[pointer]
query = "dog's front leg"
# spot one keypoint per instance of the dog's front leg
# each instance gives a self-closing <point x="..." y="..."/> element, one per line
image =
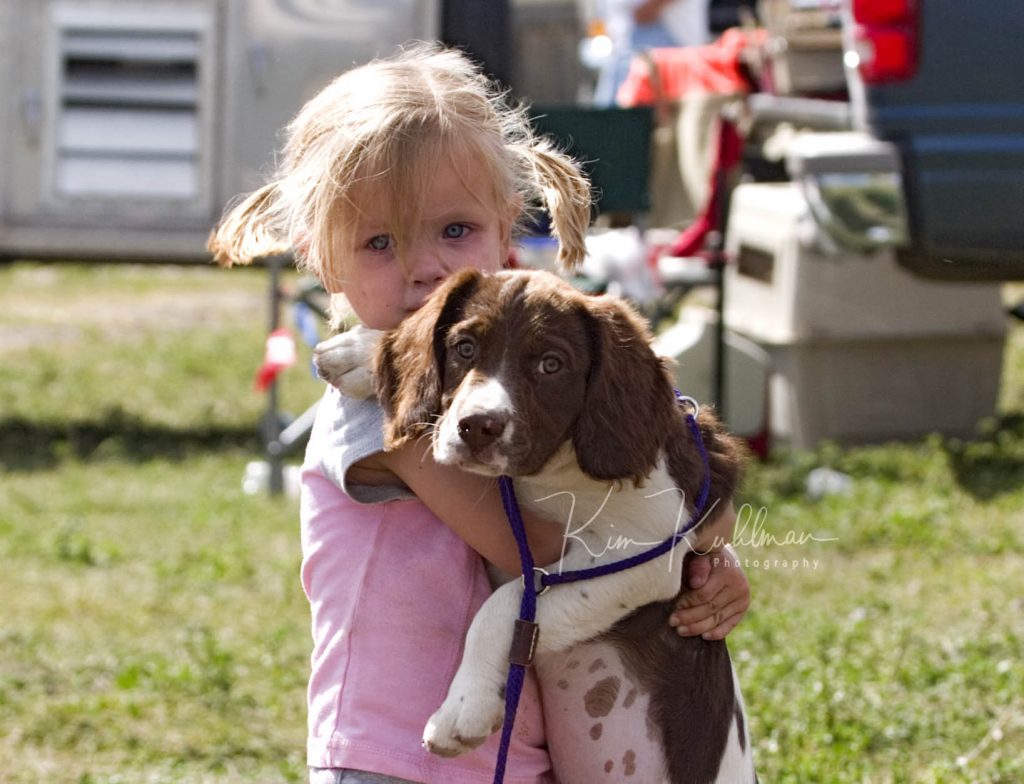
<point x="345" y="361"/>
<point x="475" y="704"/>
<point x="567" y="615"/>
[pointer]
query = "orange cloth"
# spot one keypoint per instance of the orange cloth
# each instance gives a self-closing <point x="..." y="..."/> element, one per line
<point x="689" y="70"/>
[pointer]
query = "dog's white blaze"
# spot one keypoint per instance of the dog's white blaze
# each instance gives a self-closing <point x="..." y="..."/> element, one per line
<point x="489" y="398"/>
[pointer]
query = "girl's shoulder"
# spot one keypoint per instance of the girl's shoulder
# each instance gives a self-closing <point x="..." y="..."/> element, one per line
<point x="347" y="432"/>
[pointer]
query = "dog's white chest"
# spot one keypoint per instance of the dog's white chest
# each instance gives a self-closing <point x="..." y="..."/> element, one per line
<point x="604" y="522"/>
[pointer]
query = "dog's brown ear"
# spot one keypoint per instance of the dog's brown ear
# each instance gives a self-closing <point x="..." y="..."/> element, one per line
<point x="630" y="403"/>
<point x="410" y="361"/>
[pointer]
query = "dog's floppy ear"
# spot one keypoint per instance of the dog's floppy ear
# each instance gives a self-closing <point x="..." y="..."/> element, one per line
<point x="410" y="361"/>
<point x="629" y="404"/>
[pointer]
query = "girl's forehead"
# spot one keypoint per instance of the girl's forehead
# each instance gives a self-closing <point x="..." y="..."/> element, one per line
<point x="432" y="187"/>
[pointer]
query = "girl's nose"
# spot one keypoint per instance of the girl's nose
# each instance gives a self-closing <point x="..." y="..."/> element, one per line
<point x="428" y="267"/>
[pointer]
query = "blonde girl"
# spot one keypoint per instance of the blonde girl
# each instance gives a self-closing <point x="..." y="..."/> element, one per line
<point x="396" y="175"/>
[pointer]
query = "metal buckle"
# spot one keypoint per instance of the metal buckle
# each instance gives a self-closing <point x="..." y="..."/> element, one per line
<point x="538" y="575"/>
<point x="688" y="401"/>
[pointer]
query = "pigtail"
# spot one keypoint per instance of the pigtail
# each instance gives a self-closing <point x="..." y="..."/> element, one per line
<point x="566" y="194"/>
<point x="246" y="231"/>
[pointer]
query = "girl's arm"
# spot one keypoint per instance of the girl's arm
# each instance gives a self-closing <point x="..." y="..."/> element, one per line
<point x="470" y="505"/>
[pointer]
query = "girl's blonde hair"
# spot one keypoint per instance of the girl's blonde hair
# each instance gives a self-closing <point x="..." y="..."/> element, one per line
<point x="387" y="124"/>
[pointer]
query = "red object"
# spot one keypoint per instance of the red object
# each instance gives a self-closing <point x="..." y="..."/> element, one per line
<point x="691" y="240"/>
<point x="883" y="12"/>
<point x="278" y="354"/>
<point x="689" y="70"/>
<point x="886" y="39"/>
<point x="760" y="443"/>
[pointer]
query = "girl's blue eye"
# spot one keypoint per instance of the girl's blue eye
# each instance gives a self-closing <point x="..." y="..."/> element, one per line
<point x="454" y="231"/>
<point x="380" y="242"/>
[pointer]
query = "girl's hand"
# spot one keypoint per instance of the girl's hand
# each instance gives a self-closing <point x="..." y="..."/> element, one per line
<point x="717" y="599"/>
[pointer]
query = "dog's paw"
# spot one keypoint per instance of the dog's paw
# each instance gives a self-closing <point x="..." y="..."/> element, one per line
<point x="464" y="721"/>
<point x="345" y="362"/>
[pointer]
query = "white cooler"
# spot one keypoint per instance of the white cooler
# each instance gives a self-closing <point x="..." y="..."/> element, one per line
<point x="861" y="350"/>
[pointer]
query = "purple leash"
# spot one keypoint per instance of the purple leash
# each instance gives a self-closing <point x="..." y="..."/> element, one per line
<point x="536" y="581"/>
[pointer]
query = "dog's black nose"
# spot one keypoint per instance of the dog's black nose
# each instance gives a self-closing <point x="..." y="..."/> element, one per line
<point x="481" y="430"/>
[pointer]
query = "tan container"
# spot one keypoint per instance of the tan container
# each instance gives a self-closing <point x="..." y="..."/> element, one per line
<point x="805" y="49"/>
<point x="861" y="349"/>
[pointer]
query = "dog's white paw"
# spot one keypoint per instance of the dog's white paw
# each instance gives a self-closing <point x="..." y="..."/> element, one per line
<point x="345" y="362"/>
<point x="464" y="721"/>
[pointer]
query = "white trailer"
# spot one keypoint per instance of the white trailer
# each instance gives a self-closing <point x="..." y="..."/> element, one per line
<point x="126" y="125"/>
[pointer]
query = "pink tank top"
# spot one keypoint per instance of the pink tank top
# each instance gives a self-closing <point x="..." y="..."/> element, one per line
<point x="392" y="592"/>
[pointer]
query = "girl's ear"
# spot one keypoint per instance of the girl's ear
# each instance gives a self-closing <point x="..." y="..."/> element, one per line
<point x="411" y="358"/>
<point x="630" y="404"/>
<point x="246" y="231"/>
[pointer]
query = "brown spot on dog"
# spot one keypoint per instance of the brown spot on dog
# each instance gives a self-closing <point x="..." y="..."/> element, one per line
<point x="597" y="664"/>
<point x="608" y="766"/>
<point x="629" y="762"/>
<point x="630" y="697"/>
<point x="601" y="697"/>
<point x="563" y="684"/>
<point x="595" y="731"/>
<point x="573" y="664"/>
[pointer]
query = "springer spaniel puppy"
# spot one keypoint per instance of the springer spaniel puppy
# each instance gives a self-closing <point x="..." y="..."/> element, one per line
<point x="518" y="373"/>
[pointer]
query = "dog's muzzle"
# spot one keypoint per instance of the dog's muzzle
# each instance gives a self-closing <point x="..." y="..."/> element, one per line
<point x="479" y="431"/>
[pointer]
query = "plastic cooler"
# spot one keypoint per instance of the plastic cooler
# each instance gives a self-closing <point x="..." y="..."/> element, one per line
<point x="861" y="350"/>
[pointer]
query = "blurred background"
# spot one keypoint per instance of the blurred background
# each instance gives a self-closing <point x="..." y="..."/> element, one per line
<point x="816" y="203"/>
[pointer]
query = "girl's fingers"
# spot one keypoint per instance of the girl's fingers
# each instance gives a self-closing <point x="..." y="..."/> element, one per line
<point x="703" y="595"/>
<point x="717" y="624"/>
<point x="722" y="630"/>
<point x="698" y="570"/>
<point x="695" y="613"/>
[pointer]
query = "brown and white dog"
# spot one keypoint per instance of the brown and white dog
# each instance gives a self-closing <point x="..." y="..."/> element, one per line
<point x="518" y="373"/>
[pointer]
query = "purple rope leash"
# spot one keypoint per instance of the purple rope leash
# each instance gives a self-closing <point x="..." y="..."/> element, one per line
<point x="657" y="550"/>
<point x="532" y="586"/>
<point x="527" y="612"/>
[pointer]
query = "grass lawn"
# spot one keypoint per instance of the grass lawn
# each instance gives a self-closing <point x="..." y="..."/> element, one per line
<point x="152" y="626"/>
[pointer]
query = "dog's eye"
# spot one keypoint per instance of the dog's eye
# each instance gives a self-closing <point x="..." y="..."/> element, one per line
<point x="465" y="348"/>
<point x="550" y="363"/>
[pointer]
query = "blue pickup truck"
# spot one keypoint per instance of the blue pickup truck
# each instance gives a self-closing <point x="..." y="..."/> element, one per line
<point x="941" y="79"/>
<point x="936" y="94"/>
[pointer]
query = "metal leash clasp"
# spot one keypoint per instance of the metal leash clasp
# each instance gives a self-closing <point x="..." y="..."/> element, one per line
<point x="539" y="588"/>
<point x="686" y="400"/>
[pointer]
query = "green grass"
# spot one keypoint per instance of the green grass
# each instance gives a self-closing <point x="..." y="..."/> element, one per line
<point x="153" y="627"/>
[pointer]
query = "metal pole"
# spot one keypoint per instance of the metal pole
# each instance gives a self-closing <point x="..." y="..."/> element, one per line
<point x="272" y="419"/>
<point x="716" y="240"/>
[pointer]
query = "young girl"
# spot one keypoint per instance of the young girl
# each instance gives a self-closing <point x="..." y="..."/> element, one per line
<point x="396" y="175"/>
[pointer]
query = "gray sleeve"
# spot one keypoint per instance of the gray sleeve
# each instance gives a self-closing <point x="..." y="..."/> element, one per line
<point x="347" y="431"/>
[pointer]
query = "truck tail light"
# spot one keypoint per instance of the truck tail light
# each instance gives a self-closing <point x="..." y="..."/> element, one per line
<point x="885" y="39"/>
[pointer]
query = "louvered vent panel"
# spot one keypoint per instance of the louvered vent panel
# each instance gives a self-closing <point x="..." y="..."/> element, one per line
<point x="128" y="114"/>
